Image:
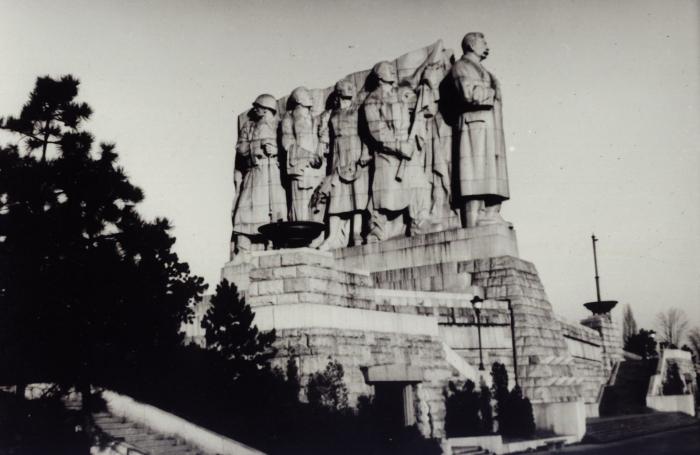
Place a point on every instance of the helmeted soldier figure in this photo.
(349, 170)
(304, 160)
(396, 178)
(261, 198)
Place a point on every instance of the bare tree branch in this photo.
(672, 325)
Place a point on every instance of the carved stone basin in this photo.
(601, 307)
(291, 234)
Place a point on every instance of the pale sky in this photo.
(601, 112)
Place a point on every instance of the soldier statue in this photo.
(349, 171)
(304, 160)
(397, 181)
(261, 198)
(483, 177)
(435, 139)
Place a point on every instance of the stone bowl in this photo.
(291, 234)
(601, 307)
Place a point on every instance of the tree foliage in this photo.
(463, 408)
(642, 343)
(49, 114)
(514, 410)
(694, 343)
(89, 290)
(673, 383)
(629, 325)
(327, 389)
(230, 331)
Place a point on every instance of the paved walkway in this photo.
(680, 441)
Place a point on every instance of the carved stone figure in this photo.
(304, 160)
(483, 177)
(396, 184)
(435, 138)
(261, 198)
(349, 171)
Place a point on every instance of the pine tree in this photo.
(230, 331)
(92, 290)
(327, 389)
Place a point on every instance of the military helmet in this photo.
(302, 97)
(266, 101)
(385, 71)
(345, 89)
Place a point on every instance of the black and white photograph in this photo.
(447, 227)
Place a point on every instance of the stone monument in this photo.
(405, 164)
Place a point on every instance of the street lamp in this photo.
(512, 338)
(476, 303)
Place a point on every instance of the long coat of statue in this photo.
(388, 121)
(262, 199)
(482, 157)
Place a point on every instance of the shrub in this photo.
(673, 384)
(327, 389)
(519, 420)
(485, 408)
(514, 411)
(462, 410)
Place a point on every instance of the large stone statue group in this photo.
(377, 163)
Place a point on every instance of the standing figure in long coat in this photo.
(349, 170)
(304, 161)
(483, 177)
(395, 181)
(261, 199)
(435, 139)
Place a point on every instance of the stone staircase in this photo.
(469, 450)
(118, 435)
(607, 429)
(627, 395)
(141, 440)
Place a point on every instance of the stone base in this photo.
(431, 249)
(403, 307)
(561, 418)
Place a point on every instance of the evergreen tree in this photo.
(230, 331)
(673, 383)
(520, 420)
(629, 325)
(50, 112)
(499, 387)
(91, 289)
(485, 408)
(642, 343)
(327, 389)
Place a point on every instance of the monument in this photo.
(405, 166)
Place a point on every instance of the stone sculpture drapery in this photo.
(394, 151)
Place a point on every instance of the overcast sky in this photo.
(601, 113)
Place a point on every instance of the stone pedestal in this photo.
(611, 337)
(324, 312)
(403, 305)
(545, 366)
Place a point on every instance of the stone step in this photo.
(141, 438)
(468, 450)
(608, 429)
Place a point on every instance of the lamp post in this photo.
(476, 304)
(512, 339)
(476, 301)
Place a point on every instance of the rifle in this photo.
(411, 137)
